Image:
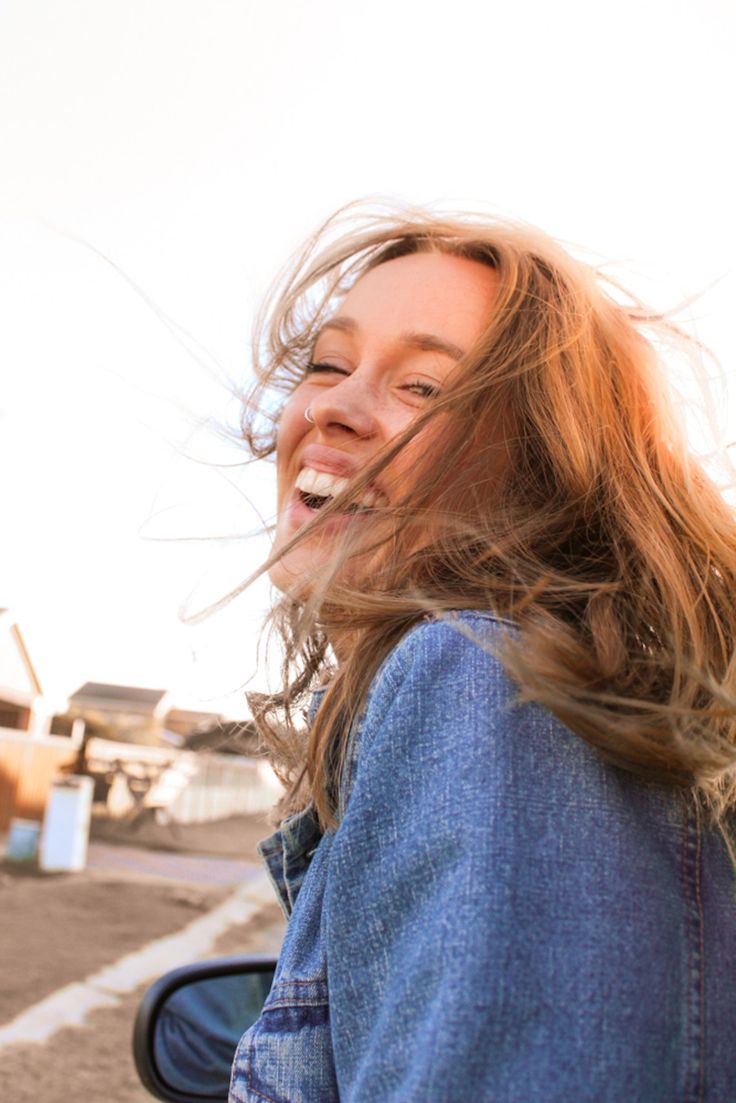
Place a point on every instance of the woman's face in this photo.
(376, 365)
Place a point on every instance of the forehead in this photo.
(435, 292)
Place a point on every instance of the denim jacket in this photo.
(500, 914)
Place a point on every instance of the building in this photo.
(128, 714)
(20, 689)
(30, 758)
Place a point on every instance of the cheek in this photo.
(291, 429)
(406, 465)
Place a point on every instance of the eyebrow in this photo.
(425, 342)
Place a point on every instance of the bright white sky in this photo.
(194, 143)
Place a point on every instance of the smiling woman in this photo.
(509, 602)
(374, 367)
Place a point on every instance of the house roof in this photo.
(195, 718)
(113, 698)
(229, 736)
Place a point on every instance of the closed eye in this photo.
(426, 390)
(315, 368)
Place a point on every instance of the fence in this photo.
(194, 787)
(28, 765)
(225, 786)
(188, 787)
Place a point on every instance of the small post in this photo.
(66, 824)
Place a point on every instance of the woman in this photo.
(510, 591)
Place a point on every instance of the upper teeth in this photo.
(323, 485)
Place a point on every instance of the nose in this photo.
(350, 406)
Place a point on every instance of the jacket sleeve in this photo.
(474, 909)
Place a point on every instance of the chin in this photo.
(297, 573)
(293, 573)
(282, 578)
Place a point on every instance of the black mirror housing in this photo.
(190, 1021)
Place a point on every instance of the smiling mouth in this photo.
(316, 501)
(313, 501)
(317, 488)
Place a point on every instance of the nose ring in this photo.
(309, 415)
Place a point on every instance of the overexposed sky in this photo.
(160, 161)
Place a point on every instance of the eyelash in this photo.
(313, 367)
(426, 390)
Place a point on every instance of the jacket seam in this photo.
(701, 950)
(316, 983)
(276, 1005)
(695, 1000)
(253, 1090)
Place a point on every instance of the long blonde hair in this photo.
(602, 538)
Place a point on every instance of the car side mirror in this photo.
(189, 1024)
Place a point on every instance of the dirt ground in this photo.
(57, 931)
(94, 1063)
(235, 837)
(62, 927)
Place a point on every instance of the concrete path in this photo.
(171, 865)
(70, 1005)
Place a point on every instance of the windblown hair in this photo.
(600, 535)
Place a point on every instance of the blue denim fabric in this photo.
(500, 915)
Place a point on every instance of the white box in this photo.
(66, 824)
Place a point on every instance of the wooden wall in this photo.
(28, 766)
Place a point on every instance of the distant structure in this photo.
(226, 737)
(135, 744)
(130, 714)
(186, 722)
(29, 757)
(20, 689)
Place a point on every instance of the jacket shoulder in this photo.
(438, 648)
(441, 682)
(442, 709)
